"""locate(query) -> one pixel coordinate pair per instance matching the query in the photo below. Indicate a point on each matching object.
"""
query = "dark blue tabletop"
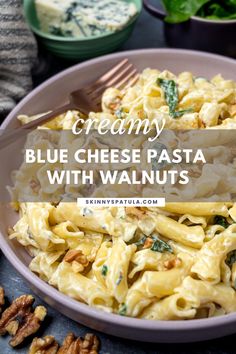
(147, 34)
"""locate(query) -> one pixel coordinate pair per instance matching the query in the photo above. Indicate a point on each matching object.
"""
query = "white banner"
(125, 202)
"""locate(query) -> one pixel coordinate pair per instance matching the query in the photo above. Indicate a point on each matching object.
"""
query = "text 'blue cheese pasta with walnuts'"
(171, 263)
(83, 18)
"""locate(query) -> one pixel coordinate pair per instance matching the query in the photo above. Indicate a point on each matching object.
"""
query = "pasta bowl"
(43, 99)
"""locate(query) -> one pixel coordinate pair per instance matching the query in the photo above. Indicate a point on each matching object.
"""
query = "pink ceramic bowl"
(49, 95)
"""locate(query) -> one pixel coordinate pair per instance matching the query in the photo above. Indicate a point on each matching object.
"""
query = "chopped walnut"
(73, 345)
(2, 299)
(77, 256)
(46, 345)
(35, 185)
(114, 105)
(135, 212)
(194, 173)
(19, 321)
(148, 243)
(172, 263)
(141, 114)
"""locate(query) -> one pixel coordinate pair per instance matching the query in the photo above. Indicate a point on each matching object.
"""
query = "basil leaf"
(231, 258)
(104, 270)
(220, 220)
(123, 310)
(160, 246)
(171, 93)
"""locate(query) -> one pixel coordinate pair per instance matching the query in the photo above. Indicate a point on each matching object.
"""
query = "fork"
(87, 99)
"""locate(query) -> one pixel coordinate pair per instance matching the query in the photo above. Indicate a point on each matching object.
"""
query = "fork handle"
(9, 137)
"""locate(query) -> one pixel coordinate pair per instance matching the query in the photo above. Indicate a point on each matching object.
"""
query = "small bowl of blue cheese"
(82, 29)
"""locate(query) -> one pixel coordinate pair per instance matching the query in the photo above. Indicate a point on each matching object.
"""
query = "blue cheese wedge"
(83, 18)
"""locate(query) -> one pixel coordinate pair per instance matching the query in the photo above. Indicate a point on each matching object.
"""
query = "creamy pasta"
(176, 262)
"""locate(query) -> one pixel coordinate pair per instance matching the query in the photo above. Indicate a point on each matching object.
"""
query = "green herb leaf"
(218, 10)
(231, 258)
(172, 97)
(220, 220)
(171, 93)
(181, 10)
(123, 310)
(160, 246)
(180, 113)
(104, 270)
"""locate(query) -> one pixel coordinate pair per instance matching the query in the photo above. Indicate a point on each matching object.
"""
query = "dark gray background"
(148, 34)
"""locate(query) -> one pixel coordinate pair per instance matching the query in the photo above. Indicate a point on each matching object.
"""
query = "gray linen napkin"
(18, 55)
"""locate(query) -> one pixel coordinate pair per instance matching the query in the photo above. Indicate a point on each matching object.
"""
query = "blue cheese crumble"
(83, 18)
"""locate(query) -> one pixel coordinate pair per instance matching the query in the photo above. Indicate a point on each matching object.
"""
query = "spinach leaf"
(216, 10)
(231, 258)
(181, 10)
(220, 220)
(172, 97)
(160, 246)
(171, 93)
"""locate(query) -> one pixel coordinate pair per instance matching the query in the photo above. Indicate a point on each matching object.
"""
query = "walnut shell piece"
(46, 345)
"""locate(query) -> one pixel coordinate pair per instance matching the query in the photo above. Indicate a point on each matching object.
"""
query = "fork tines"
(122, 76)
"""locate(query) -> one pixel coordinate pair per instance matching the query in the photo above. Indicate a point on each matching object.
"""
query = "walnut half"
(71, 345)
(30, 325)
(19, 321)
(46, 345)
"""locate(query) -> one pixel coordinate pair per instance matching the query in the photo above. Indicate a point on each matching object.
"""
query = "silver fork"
(87, 99)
